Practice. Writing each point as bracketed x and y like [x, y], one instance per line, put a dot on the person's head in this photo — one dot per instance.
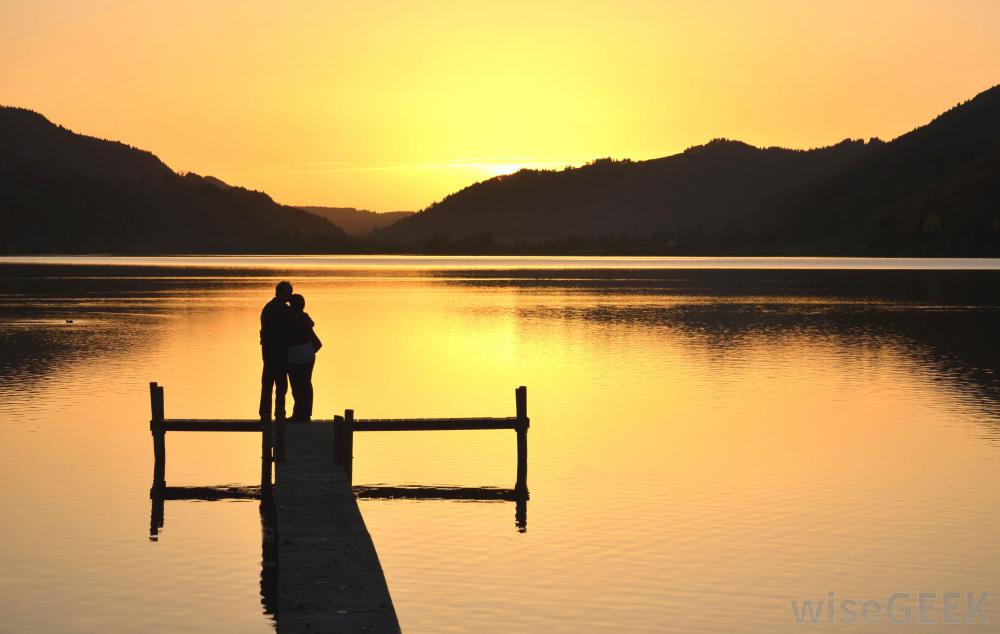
[283, 290]
[297, 302]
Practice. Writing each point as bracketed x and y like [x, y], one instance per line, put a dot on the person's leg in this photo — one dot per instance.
[295, 380]
[306, 389]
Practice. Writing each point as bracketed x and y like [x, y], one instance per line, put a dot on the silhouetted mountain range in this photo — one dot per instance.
[699, 189]
[932, 192]
[62, 192]
[357, 222]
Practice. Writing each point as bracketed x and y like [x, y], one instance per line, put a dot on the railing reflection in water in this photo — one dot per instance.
[270, 544]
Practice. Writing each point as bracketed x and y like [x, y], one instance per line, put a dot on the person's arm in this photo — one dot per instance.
[317, 344]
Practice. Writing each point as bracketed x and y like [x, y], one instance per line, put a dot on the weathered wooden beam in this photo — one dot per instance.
[480, 494]
[207, 493]
[266, 457]
[434, 424]
[521, 407]
[159, 437]
[361, 424]
[179, 424]
[349, 445]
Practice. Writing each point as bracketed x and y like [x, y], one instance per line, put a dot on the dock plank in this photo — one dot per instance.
[329, 575]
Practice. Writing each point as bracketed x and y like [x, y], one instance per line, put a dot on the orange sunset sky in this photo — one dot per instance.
[392, 105]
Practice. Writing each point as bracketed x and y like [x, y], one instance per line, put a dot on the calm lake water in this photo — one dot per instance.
[710, 440]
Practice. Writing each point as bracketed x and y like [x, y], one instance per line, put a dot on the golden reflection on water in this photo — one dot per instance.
[697, 459]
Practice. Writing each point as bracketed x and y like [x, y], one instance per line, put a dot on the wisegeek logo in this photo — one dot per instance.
[928, 608]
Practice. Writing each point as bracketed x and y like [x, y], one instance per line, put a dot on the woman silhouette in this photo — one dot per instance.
[303, 344]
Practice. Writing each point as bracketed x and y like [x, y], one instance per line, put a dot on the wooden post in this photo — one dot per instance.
[155, 514]
[269, 556]
[338, 439]
[349, 445]
[521, 513]
[265, 455]
[521, 400]
[159, 435]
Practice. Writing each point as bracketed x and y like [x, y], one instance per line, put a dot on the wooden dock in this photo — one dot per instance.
[320, 571]
[329, 575]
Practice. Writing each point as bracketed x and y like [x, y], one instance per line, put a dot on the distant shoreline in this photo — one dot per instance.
[508, 251]
[555, 262]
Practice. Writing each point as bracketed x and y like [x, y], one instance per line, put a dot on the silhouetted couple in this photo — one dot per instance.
[289, 345]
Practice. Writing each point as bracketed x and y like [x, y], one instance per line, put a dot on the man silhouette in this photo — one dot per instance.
[274, 350]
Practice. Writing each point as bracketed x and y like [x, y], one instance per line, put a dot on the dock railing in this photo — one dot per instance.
[272, 434]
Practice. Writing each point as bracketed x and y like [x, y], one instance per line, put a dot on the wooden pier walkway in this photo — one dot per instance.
[329, 575]
[320, 571]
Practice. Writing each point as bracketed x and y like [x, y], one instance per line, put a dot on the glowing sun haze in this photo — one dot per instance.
[393, 105]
